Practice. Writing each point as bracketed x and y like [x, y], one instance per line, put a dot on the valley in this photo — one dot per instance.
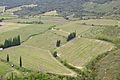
[53, 47]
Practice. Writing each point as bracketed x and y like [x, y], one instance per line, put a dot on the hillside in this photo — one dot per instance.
[59, 39]
[79, 8]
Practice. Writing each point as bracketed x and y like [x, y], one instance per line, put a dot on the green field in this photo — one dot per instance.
[75, 26]
[35, 59]
[82, 50]
[25, 32]
[45, 41]
[39, 42]
[7, 26]
[4, 68]
[108, 22]
[56, 20]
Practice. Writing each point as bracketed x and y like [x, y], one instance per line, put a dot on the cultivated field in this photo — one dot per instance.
[39, 41]
[80, 51]
[107, 22]
[25, 32]
[46, 41]
[35, 59]
[7, 26]
[75, 26]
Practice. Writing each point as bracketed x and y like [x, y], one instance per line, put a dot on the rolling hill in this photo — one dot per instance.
[78, 8]
[40, 25]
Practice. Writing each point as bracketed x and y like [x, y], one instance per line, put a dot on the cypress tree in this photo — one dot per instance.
[20, 61]
[18, 40]
[12, 76]
[14, 41]
[10, 42]
[7, 58]
[6, 44]
[58, 43]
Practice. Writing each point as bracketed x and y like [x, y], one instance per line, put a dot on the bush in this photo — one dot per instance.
[71, 36]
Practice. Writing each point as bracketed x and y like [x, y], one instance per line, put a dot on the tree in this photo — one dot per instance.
[12, 76]
[58, 43]
[71, 36]
[1, 46]
[6, 44]
[7, 57]
[14, 41]
[55, 54]
[18, 40]
[20, 61]
[10, 42]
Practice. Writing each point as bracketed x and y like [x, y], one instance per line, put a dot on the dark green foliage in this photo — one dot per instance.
[18, 40]
[20, 61]
[11, 42]
[0, 20]
[58, 43]
[1, 46]
[6, 44]
[12, 76]
[55, 54]
[7, 57]
[71, 36]
[14, 41]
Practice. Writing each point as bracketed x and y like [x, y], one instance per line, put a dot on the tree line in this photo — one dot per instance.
[11, 42]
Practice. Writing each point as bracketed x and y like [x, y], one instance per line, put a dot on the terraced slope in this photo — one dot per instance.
[80, 51]
[108, 68]
[106, 33]
[35, 59]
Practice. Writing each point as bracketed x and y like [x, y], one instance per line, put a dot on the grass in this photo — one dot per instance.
[7, 26]
[46, 41]
[75, 26]
[56, 20]
[88, 26]
[25, 32]
[80, 51]
[40, 39]
[108, 68]
[4, 68]
[104, 22]
[35, 59]
[106, 33]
